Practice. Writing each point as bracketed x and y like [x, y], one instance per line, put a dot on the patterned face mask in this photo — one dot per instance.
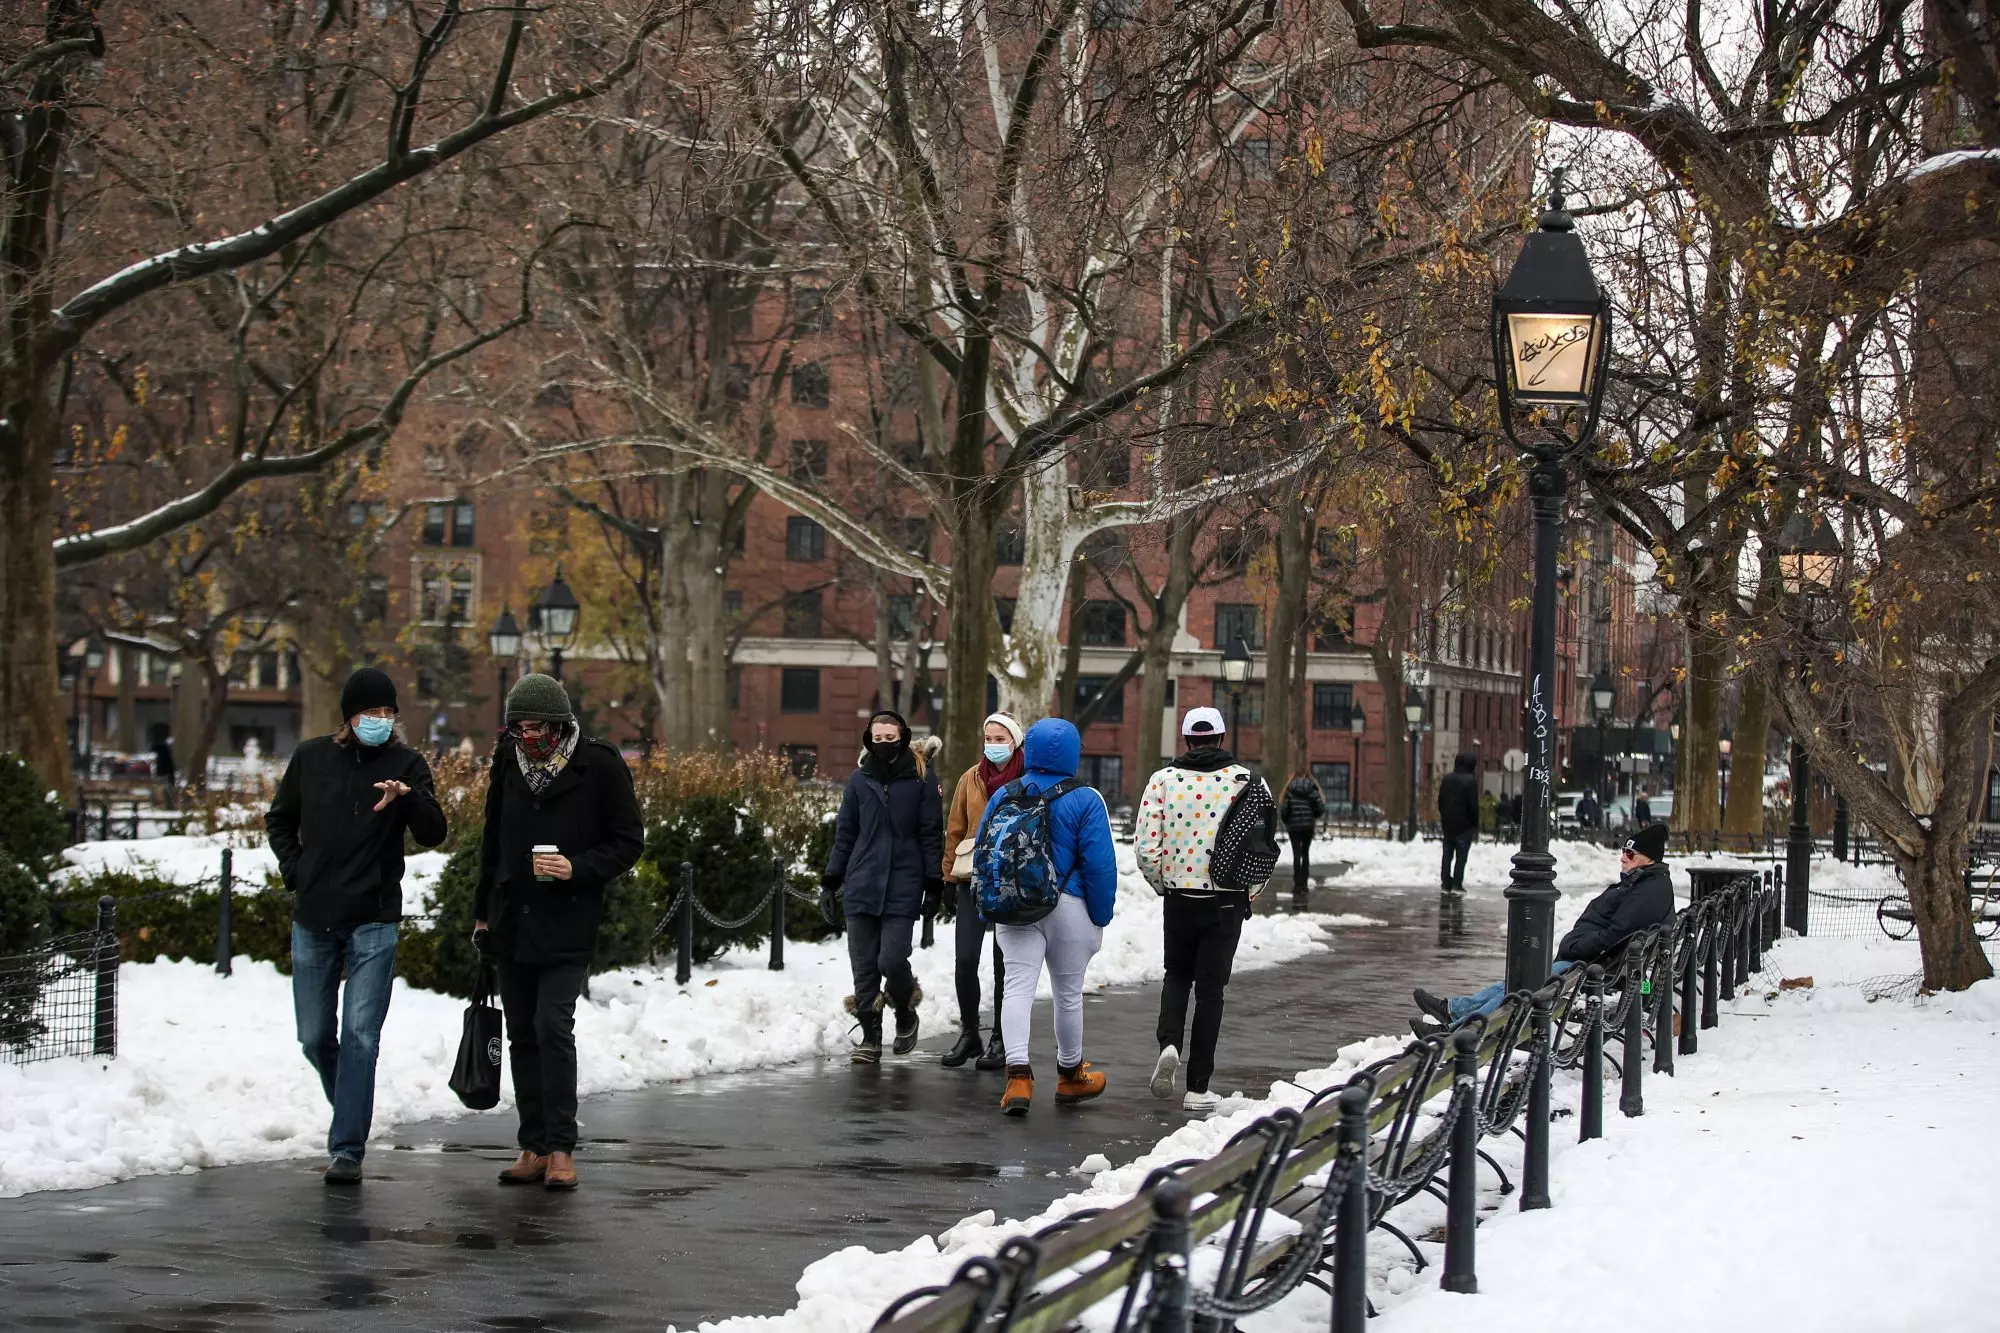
[539, 749]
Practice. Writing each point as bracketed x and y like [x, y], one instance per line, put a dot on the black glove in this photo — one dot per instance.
[829, 905]
[934, 895]
[482, 940]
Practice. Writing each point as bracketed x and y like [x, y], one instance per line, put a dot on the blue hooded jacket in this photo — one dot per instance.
[1079, 824]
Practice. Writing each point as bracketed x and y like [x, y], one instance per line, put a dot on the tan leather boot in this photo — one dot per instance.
[527, 1169]
[1020, 1090]
[561, 1174]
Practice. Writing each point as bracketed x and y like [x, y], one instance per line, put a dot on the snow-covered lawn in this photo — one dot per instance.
[209, 1072]
[195, 860]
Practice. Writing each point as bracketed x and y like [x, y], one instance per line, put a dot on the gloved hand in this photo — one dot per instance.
[934, 895]
[829, 901]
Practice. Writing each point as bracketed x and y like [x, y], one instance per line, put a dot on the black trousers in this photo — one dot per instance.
[1452, 873]
[878, 953]
[1302, 841]
[1201, 935]
[539, 1002]
[969, 935]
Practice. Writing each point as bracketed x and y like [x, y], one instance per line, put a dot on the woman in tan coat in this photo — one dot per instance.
[999, 764]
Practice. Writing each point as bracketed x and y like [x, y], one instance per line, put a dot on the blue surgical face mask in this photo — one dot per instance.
[374, 730]
[998, 754]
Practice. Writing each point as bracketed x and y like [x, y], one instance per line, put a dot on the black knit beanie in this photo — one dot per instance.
[370, 687]
[1649, 842]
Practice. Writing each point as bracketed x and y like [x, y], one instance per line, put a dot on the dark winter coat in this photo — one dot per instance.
[1458, 801]
[888, 842]
[1642, 898]
[1302, 806]
[1642, 811]
[590, 814]
[341, 859]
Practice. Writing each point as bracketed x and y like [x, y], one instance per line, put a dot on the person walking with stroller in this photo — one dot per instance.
[336, 827]
[888, 845]
[1047, 876]
[1180, 816]
[1000, 762]
[562, 822]
[1300, 811]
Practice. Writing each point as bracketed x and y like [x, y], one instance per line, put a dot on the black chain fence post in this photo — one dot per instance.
[1746, 895]
[1772, 903]
[1691, 991]
[224, 911]
[1664, 979]
[1710, 981]
[1632, 1064]
[1590, 1119]
[1170, 1303]
[1350, 1244]
[684, 928]
[1753, 930]
[1462, 1187]
[105, 1036]
[778, 915]
[104, 820]
[1731, 933]
[1535, 1153]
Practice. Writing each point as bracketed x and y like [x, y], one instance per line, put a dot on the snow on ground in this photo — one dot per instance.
[195, 860]
[210, 1073]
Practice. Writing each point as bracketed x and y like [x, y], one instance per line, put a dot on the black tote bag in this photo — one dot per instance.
[476, 1075]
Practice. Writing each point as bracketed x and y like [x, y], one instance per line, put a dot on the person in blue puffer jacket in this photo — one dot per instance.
[1069, 937]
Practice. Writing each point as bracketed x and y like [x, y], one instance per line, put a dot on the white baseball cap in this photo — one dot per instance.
[1203, 722]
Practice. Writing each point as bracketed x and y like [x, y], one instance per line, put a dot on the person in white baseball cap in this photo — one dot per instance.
[1179, 817]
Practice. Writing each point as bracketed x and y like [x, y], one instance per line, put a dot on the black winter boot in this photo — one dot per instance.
[906, 1022]
[964, 1049]
[996, 1053]
[868, 1051]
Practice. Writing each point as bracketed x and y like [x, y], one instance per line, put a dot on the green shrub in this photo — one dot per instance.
[439, 956]
[33, 827]
[803, 921]
[24, 927]
[156, 919]
[732, 862]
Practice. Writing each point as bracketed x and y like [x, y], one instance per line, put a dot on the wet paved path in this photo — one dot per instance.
[700, 1199]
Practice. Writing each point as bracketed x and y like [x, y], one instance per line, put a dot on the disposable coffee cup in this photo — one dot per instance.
[544, 849]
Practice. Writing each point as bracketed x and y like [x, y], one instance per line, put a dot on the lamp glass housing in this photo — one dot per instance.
[1553, 356]
[1236, 661]
[504, 639]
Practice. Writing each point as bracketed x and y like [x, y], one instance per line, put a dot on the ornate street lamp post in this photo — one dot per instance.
[1235, 671]
[503, 641]
[1603, 694]
[1808, 559]
[555, 615]
[1413, 718]
[1357, 722]
[1551, 342]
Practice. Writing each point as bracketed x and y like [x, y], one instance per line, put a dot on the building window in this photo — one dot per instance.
[1333, 631]
[1104, 624]
[1236, 548]
[1010, 545]
[802, 614]
[1332, 706]
[1253, 705]
[435, 516]
[732, 606]
[1238, 620]
[1335, 784]
[803, 760]
[916, 533]
[463, 533]
[805, 539]
[1105, 465]
[264, 671]
[798, 690]
[902, 615]
[445, 593]
[808, 460]
[810, 312]
[1993, 796]
[1003, 610]
[736, 383]
[373, 607]
[1089, 687]
[1106, 772]
[811, 385]
[732, 686]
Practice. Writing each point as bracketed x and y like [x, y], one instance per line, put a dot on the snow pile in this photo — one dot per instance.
[210, 1072]
[195, 861]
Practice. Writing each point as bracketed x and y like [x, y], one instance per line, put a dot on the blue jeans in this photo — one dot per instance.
[343, 1054]
[1487, 1000]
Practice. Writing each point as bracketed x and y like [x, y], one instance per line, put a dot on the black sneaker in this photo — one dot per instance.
[1437, 1008]
[996, 1053]
[1426, 1029]
[343, 1171]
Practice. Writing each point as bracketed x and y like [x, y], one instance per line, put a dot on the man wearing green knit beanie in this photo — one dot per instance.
[562, 822]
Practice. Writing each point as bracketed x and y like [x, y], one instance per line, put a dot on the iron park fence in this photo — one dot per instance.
[62, 999]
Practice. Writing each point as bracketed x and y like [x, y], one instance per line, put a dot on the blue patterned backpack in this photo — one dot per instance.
[1013, 866]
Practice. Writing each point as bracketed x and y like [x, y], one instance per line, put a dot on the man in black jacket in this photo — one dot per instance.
[549, 786]
[1300, 811]
[1642, 898]
[337, 828]
[1458, 820]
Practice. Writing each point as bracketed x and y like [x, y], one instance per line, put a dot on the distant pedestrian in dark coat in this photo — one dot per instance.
[1458, 820]
[336, 827]
[1300, 811]
[1642, 809]
[538, 913]
[887, 857]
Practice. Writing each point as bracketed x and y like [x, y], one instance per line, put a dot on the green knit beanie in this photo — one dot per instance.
[538, 698]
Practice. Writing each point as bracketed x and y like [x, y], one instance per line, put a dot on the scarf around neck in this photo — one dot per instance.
[548, 758]
[996, 776]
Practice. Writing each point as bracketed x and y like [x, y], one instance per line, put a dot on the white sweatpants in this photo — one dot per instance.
[1066, 940]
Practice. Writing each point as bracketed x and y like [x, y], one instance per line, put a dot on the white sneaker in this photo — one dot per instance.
[1164, 1070]
[1200, 1103]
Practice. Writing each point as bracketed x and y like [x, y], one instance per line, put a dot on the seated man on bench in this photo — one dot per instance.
[1642, 898]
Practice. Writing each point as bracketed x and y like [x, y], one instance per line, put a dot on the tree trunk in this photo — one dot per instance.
[1072, 658]
[1282, 647]
[31, 712]
[1745, 811]
[128, 704]
[323, 659]
[190, 703]
[1697, 805]
[1034, 647]
[1386, 654]
[1159, 641]
[1946, 934]
[971, 622]
[673, 672]
[707, 645]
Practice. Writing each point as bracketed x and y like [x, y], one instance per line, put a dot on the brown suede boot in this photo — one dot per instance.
[1020, 1090]
[561, 1174]
[1077, 1084]
[528, 1169]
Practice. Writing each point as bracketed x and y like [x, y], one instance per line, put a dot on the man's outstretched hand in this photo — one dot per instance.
[390, 791]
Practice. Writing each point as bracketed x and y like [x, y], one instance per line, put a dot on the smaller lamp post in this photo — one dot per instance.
[1603, 694]
[1235, 672]
[555, 610]
[1722, 747]
[1357, 723]
[504, 642]
[1808, 561]
[1413, 719]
